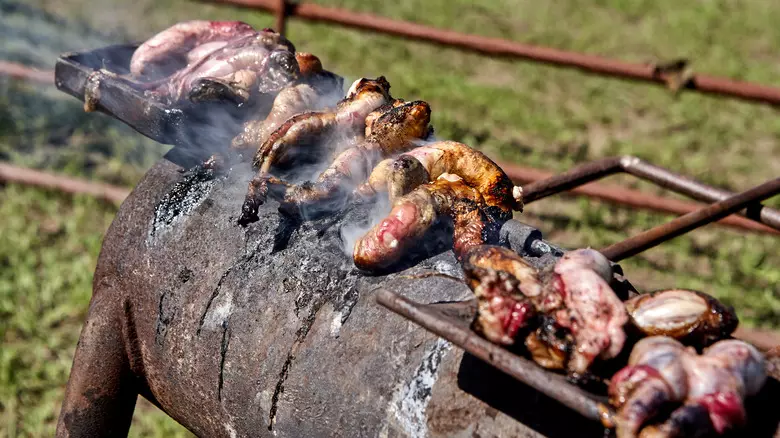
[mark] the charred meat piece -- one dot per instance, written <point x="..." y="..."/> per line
<point x="492" y="257"/>
<point x="711" y="387"/>
<point x="295" y="99"/>
<point x="394" y="130"/>
<point x="350" y="114"/>
<point x="414" y="214"/>
<point x="501" y="309"/>
<point x="476" y="169"/>
<point x="687" y="315"/>
<point x="300" y="132"/>
<point x="550" y="344"/>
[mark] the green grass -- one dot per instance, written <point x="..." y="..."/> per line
<point x="528" y="113"/>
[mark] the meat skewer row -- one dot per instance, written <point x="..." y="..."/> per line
<point x="711" y="387"/>
<point x="579" y="319"/>
<point x="573" y="313"/>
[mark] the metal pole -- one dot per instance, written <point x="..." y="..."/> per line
<point x="281" y="16"/>
<point x="681" y="225"/>
<point x="505" y="48"/>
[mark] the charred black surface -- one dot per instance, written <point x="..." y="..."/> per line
<point x="182" y="199"/>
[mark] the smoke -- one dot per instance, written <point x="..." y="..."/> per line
<point x="354" y="228"/>
<point x="37" y="38"/>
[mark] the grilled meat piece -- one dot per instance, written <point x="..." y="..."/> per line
<point x="184" y="43"/>
<point x="550" y="344"/>
<point x="414" y="214"/>
<point x="498" y="258"/>
<point x="476" y="169"/>
<point x="397" y="176"/>
<point x="501" y="309"/>
<point x="582" y="318"/>
<point x="391" y="132"/>
<point x="687" y="315"/>
<point x="234" y="71"/>
<point x="295" y="99"/>
<point x="711" y="387"/>
<point x="350" y="114"/>
<point x="353" y="114"/>
<point x="591" y="310"/>
<point x="654" y="377"/>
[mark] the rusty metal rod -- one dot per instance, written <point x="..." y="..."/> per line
<point x="505" y="48"/>
<point x="281" y="16"/>
<point x="598" y="169"/>
<point x="681" y="225"/>
<point x="20" y="71"/>
<point x="36" y="178"/>
<point x="630" y="198"/>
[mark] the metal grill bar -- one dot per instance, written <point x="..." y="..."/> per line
<point x="690" y="221"/>
<point x="594" y="170"/>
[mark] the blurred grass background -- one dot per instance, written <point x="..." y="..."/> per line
<point x="527" y="113"/>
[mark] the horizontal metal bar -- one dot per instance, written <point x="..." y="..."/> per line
<point x="505" y="48"/>
<point x="21" y="175"/>
<point x="21" y="71"/>
<point x="598" y="169"/>
<point x="690" y="221"/>
<point x="627" y="197"/>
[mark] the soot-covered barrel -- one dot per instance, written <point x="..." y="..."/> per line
<point x="271" y="330"/>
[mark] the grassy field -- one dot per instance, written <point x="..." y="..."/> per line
<point x="531" y="114"/>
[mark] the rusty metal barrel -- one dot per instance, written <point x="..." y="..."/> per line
<point x="234" y="334"/>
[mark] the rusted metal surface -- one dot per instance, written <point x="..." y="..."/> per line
<point x="452" y="322"/>
<point x="505" y="48"/>
<point x="20" y="71"/>
<point x="690" y="221"/>
<point x="598" y="169"/>
<point x="233" y="338"/>
<point x="36" y="178"/>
